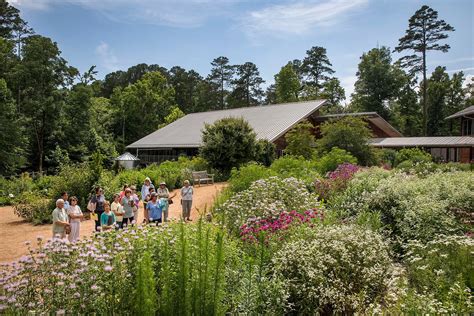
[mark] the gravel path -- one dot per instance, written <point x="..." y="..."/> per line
<point x="14" y="231"/>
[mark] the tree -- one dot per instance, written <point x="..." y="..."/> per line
<point x="11" y="149"/>
<point x="247" y="90"/>
<point x="228" y="143"/>
<point x="300" y="140"/>
<point x="174" y="115"/>
<point x="437" y="92"/>
<point x="287" y="85"/>
<point x="407" y="107"/>
<point x="349" y="133"/>
<point x="266" y="152"/>
<point x="42" y="73"/>
<point x="424" y="32"/>
<point x="270" y="95"/>
<point x="377" y="82"/>
<point x="221" y="75"/>
<point x="317" y="68"/>
<point x="334" y="94"/>
<point x="142" y="107"/>
<point x="185" y="84"/>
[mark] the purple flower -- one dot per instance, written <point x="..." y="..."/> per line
<point x="108" y="268"/>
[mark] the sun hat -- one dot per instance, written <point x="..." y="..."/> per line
<point x="147" y="179"/>
<point x="162" y="183"/>
<point x="133" y="187"/>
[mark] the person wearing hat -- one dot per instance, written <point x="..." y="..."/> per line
<point x="146" y="188"/>
<point x="164" y="195"/>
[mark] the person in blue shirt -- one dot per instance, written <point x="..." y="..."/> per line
<point x="107" y="218"/>
<point x="155" y="209"/>
<point x="65" y="197"/>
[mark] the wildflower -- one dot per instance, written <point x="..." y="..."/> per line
<point x="108" y="268"/>
<point x="61" y="312"/>
<point x="94" y="287"/>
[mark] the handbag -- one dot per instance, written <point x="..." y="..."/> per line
<point x="67" y="230"/>
<point x="91" y="206"/>
<point x="170" y="201"/>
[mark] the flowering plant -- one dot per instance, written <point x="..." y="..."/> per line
<point x="335" y="181"/>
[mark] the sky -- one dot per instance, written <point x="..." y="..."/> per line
<point x="117" y="34"/>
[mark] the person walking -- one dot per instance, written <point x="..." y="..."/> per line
<point x="107" y="219"/>
<point x="128" y="205"/>
<point x="75" y="216"/>
<point x="117" y="209"/>
<point x="97" y="206"/>
<point x="60" y="220"/>
<point x="187" y="200"/>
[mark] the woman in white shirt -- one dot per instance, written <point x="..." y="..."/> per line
<point x="187" y="200"/>
<point x="75" y="216"/>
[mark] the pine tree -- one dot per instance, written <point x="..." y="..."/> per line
<point x="221" y="74"/>
<point x="316" y="67"/>
<point x="287" y="84"/>
<point x="424" y="32"/>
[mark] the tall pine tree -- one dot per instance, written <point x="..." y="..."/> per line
<point x="424" y="32"/>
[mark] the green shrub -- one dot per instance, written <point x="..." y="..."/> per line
<point x="335" y="269"/>
<point x="241" y="179"/>
<point x="266" y="152"/>
<point x="296" y="167"/>
<point x="415" y="155"/>
<point x="44" y="184"/>
<point x="266" y="198"/>
<point x="412" y="207"/>
<point x="34" y="208"/>
<point x="330" y="161"/>
<point x="77" y="180"/>
<point x="300" y="140"/>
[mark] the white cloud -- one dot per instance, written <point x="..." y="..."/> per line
<point x="299" y="17"/>
<point x="467" y="69"/>
<point x="176" y="13"/>
<point x="107" y="57"/>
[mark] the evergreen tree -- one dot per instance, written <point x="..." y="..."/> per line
<point x="287" y="85"/>
<point x="334" y="94"/>
<point x="437" y="93"/>
<point x="221" y="75"/>
<point x="247" y="90"/>
<point x="377" y="82"/>
<point x="424" y="32"/>
<point x="317" y="69"/>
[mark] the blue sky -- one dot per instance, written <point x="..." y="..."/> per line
<point x="117" y="34"/>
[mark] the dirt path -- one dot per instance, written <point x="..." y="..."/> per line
<point x="14" y="231"/>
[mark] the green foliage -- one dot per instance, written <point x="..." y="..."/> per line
<point x="228" y="143"/>
<point x="300" y="140"/>
<point x="174" y="115"/>
<point x="335" y="269"/>
<point x="241" y="179"/>
<point x="33" y="208"/>
<point x="265" y="152"/>
<point x="413" y="155"/>
<point x="412" y="207"/>
<point x="287" y="85"/>
<point x="297" y="167"/>
<point x="330" y="161"/>
<point x="145" y="297"/>
<point x="265" y="199"/>
<point x="349" y="133"/>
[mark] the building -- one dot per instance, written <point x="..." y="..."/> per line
<point x="442" y="148"/>
<point x="270" y="122"/>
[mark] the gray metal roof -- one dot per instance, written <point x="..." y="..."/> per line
<point x="442" y="141"/>
<point x="467" y="111"/>
<point x="374" y="117"/>
<point x="126" y="156"/>
<point x="269" y="122"/>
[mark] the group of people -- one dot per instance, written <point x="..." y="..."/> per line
<point x="67" y="215"/>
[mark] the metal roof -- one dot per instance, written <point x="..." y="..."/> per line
<point x="374" y="117"/>
<point x="269" y="122"/>
<point x="467" y="111"/>
<point x="442" y="141"/>
<point x="126" y="156"/>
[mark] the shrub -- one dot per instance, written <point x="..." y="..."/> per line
<point x="228" y="143"/>
<point x="265" y="152"/>
<point x="300" y="140"/>
<point x="414" y="155"/>
<point x="334" y="158"/>
<point x="336" y="181"/>
<point x="296" y="167"/>
<point x="266" y="198"/>
<point x="441" y="265"/>
<point x="349" y="133"/>
<point x="338" y="269"/>
<point x="33" y="208"/>
<point x="412" y="207"/>
<point x="241" y="179"/>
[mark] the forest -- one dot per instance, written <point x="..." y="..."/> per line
<point x="53" y="114"/>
